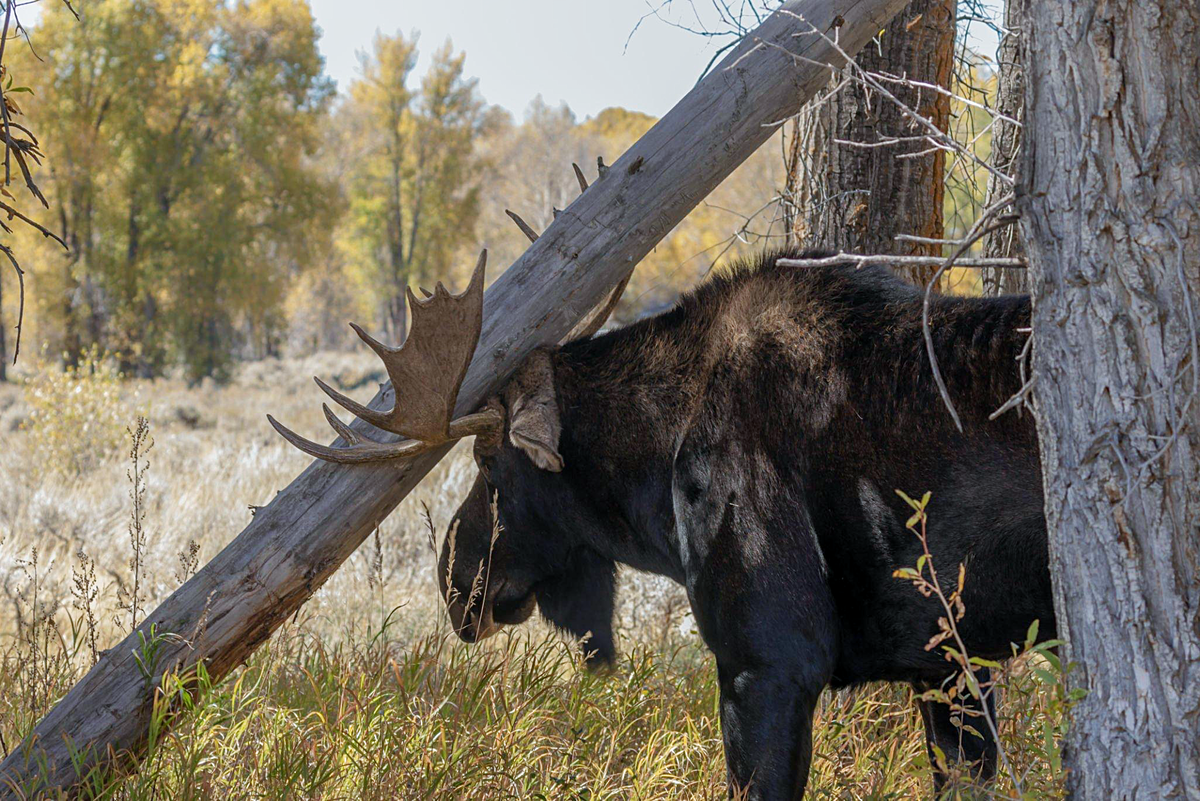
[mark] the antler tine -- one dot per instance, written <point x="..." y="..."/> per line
<point x="377" y="419"/>
<point x="344" y="431"/>
<point x="480" y="264"/>
<point x="583" y="184"/>
<point x="524" y="226"/>
<point x="595" y="319"/>
<point x="428" y="370"/>
<point x="358" y="453"/>
<point x="382" y="350"/>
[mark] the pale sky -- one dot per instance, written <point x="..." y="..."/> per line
<point x="572" y="50"/>
<point x="578" y="51"/>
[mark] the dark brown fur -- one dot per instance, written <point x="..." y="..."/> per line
<point x="747" y="443"/>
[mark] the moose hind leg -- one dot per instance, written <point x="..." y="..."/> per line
<point x="977" y="753"/>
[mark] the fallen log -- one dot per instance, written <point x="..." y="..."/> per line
<point x="292" y="545"/>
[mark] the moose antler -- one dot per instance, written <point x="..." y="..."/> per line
<point x="428" y="369"/>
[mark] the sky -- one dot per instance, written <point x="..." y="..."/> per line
<point x="565" y="50"/>
<point x="579" y="51"/>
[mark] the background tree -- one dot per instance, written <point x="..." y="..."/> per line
<point x="1111" y="167"/>
<point x="414" y="196"/>
<point x="1006" y="147"/>
<point x="850" y="191"/>
<point x="186" y="187"/>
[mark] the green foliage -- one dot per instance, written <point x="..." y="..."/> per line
<point x="413" y="187"/>
<point x="376" y="717"/>
<point x="1035" y="685"/>
<point x="183" y="136"/>
<point x="75" y="414"/>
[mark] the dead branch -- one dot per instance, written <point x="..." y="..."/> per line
<point x="862" y="260"/>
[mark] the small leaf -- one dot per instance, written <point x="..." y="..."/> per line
<point x="979" y="661"/>
<point x="940" y="757"/>
<point x="908" y="500"/>
<point x="1031" y="635"/>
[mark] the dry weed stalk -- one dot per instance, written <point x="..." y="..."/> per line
<point x="84" y="590"/>
<point x="130" y="599"/>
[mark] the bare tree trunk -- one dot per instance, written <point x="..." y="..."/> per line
<point x="294" y="544"/>
<point x="1006" y="146"/>
<point x="857" y="199"/>
<point x="1111" y="178"/>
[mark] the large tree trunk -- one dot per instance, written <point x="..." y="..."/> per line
<point x="293" y="544"/>
<point x="1006" y="146"/>
<point x="1111" y="223"/>
<point x="858" y="198"/>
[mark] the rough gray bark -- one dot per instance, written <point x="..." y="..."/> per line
<point x="857" y="199"/>
<point x="1006" y="147"/>
<point x="1111" y="183"/>
<point x="293" y="544"/>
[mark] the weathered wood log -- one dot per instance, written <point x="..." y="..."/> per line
<point x="296" y="542"/>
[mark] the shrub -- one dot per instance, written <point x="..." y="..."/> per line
<point x="75" y="414"/>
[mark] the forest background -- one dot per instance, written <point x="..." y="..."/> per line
<point x="222" y="201"/>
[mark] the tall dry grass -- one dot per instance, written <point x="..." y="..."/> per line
<point x="367" y="694"/>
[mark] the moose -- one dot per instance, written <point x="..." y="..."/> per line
<point x="747" y="443"/>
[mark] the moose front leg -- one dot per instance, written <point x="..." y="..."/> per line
<point x="766" y="720"/>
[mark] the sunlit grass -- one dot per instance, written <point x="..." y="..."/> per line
<point x="367" y="695"/>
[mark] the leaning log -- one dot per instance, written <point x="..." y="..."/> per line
<point x="289" y="549"/>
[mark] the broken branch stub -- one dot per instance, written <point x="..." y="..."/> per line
<point x="530" y="234"/>
<point x="428" y="369"/>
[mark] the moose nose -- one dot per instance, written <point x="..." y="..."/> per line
<point x="483" y="624"/>
<point x="473" y="625"/>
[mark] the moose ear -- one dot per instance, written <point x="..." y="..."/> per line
<point x="533" y="422"/>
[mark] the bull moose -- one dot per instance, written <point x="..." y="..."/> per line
<point x="747" y="444"/>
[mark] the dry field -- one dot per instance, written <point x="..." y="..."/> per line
<point x="367" y="694"/>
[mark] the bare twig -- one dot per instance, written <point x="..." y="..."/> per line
<point x="7" y="251"/>
<point x="863" y="260"/>
<point x="978" y="231"/>
<point x="41" y="229"/>
<point x="870" y="80"/>
<point x="1015" y="400"/>
<point x="8" y="12"/>
<point x="933" y="87"/>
